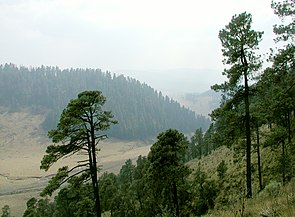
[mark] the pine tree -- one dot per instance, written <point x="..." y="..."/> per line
<point x="239" y="44"/>
<point x="79" y="129"/>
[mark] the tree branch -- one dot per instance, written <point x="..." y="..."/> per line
<point x="71" y="176"/>
<point x="78" y="166"/>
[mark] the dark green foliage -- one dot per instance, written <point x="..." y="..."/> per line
<point x="205" y="191"/>
<point x="127" y="194"/>
<point x="202" y="144"/>
<point x="167" y="169"/>
<point x="282" y="10"/>
<point x="55" y="181"/>
<point x="276" y="91"/>
<point x="141" y="111"/>
<point x="80" y="129"/>
<point x="196" y="147"/>
<point x="168" y="154"/>
<point x="126" y="174"/>
<point x="39" y="208"/>
<point x="155" y="186"/>
<point x="75" y="200"/>
<point x="269" y="119"/>
<point x="108" y="190"/>
<point x="5" y="211"/>
<point x="221" y="170"/>
<point x="239" y="44"/>
<point x="211" y="139"/>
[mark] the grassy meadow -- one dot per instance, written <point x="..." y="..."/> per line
<point x="23" y="144"/>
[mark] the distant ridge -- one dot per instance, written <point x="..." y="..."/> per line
<point x="201" y="103"/>
<point x="142" y="112"/>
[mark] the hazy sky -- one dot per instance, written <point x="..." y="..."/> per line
<point x="124" y="35"/>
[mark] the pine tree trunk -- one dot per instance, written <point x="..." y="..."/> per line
<point x="283" y="162"/>
<point x="95" y="181"/>
<point x="258" y="160"/>
<point x="248" y="130"/>
<point x="248" y="145"/>
<point x="289" y="127"/>
<point x="93" y="169"/>
<point x="96" y="189"/>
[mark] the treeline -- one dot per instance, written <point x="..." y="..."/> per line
<point x="141" y="111"/>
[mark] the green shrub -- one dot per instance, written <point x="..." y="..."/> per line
<point x="272" y="189"/>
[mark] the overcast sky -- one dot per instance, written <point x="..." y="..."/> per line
<point x="132" y="36"/>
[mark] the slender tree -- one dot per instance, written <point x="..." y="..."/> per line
<point x="239" y="44"/>
<point x="79" y="130"/>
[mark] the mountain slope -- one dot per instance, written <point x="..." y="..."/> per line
<point x="275" y="199"/>
<point x="142" y="112"/>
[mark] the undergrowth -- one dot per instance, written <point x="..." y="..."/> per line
<point x="275" y="200"/>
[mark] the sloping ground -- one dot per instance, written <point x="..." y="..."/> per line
<point x="22" y="146"/>
<point x="274" y="200"/>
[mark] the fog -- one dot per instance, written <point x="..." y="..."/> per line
<point x="171" y="45"/>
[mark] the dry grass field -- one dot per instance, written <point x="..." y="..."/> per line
<point x="22" y="146"/>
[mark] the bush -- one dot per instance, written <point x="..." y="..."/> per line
<point x="272" y="189"/>
<point x="5" y="211"/>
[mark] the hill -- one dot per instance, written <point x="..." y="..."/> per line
<point x="142" y="112"/>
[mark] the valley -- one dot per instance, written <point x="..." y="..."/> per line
<point x="23" y="144"/>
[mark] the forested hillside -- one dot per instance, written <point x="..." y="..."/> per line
<point x="141" y="111"/>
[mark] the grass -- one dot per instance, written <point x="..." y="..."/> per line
<point x="265" y="204"/>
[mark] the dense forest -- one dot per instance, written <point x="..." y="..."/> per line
<point x="254" y="127"/>
<point x="141" y="111"/>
